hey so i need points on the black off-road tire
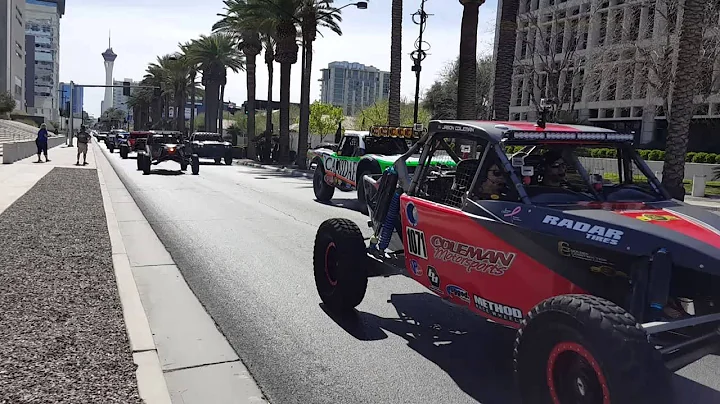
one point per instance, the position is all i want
(111, 149)
(139, 160)
(599, 336)
(228, 158)
(360, 185)
(218, 160)
(195, 164)
(340, 264)
(124, 151)
(323, 191)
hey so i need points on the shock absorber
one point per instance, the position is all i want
(389, 222)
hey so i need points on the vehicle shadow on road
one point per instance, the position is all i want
(165, 172)
(349, 204)
(476, 354)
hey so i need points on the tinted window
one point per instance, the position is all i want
(205, 137)
(385, 145)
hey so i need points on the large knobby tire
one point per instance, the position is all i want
(580, 348)
(360, 185)
(139, 160)
(124, 151)
(218, 160)
(340, 264)
(195, 164)
(111, 149)
(323, 191)
(228, 158)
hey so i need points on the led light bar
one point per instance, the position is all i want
(570, 136)
(393, 131)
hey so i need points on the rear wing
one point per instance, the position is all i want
(544, 136)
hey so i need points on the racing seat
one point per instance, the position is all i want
(464, 175)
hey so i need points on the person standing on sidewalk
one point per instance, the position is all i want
(42, 142)
(83, 139)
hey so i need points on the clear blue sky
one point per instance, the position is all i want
(141, 31)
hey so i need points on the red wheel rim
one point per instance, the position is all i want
(329, 250)
(570, 364)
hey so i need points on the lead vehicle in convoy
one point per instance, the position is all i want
(359, 153)
(610, 283)
(163, 146)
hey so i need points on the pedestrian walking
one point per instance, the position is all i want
(42, 143)
(83, 139)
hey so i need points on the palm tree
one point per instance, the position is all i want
(249, 42)
(186, 49)
(395, 63)
(214, 54)
(505, 58)
(467, 69)
(156, 76)
(683, 93)
(179, 84)
(280, 18)
(313, 14)
(269, 45)
(140, 101)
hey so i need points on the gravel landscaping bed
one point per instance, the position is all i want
(62, 335)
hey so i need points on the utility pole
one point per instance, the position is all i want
(419, 54)
(71, 121)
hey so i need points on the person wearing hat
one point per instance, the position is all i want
(83, 139)
(42, 143)
(554, 169)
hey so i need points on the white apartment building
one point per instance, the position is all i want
(353, 86)
(120, 100)
(43, 23)
(604, 70)
(12, 50)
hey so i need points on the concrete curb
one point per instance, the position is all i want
(150, 378)
(293, 172)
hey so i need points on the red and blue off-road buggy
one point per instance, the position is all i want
(611, 284)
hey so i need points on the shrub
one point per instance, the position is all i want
(717, 159)
(644, 154)
(689, 157)
(700, 157)
(654, 155)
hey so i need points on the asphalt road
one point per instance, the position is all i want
(243, 239)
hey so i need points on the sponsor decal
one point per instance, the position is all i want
(512, 215)
(345, 169)
(457, 291)
(472, 258)
(592, 232)
(415, 268)
(565, 250)
(412, 214)
(498, 310)
(416, 243)
(647, 217)
(434, 279)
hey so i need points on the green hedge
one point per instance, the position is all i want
(648, 155)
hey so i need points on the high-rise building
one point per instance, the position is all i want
(78, 99)
(43, 23)
(353, 86)
(12, 50)
(601, 58)
(120, 100)
(109, 57)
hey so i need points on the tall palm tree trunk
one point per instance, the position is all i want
(395, 63)
(180, 107)
(250, 59)
(221, 111)
(192, 102)
(683, 92)
(212, 91)
(467, 67)
(504, 59)
(269, 110)
(304, 133)
(285, 70)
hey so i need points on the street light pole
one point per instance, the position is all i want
(72, 118)
(418, 55)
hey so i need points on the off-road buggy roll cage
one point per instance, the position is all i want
(680, 342)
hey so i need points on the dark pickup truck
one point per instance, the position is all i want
(211, 145)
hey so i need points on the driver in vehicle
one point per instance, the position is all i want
(554, 169)
(492, 184)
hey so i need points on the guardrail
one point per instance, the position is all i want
(14, 151)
